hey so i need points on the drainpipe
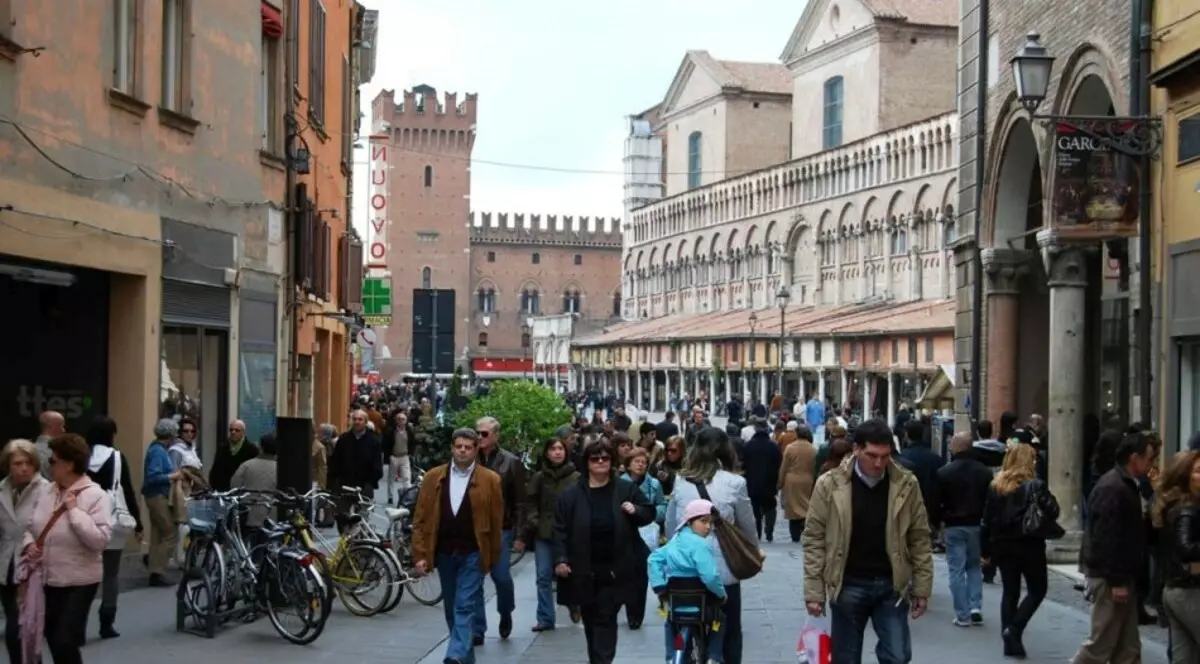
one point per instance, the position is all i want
(290, 207)
(981, 103)
(1139, 98)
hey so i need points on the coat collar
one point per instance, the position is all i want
(6, 493)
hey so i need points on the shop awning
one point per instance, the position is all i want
(939, 390)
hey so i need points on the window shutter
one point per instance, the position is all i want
(354, 276)
(343, 261)
(327, 262)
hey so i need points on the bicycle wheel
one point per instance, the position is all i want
(205, 559)
(427, 588)
(289, 583)
(364, 579)
(397, 573)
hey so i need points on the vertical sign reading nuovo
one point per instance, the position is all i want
(381, 176)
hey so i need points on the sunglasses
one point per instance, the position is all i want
(484, 434)
(600, 458)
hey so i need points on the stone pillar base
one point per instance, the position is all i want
(1065, 551)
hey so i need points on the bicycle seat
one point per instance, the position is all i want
(344, 520)
(396, 513)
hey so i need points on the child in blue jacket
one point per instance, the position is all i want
(687, 556)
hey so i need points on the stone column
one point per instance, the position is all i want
(696, 385)
(653, 391)
(1067, 269)
(762, 388)
(866, 396)
(821, 387)
(891, 398)
(625, 393)
(1003, 269)
(844, 395)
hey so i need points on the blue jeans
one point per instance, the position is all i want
(966, 575)
(874, 600)
(544, 559)
(501, 576)
(716, 641)
(461, 579)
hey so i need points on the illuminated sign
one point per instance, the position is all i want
(381, 178)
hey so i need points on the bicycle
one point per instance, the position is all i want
(266, 577)
(691, 617)
(425, 588)
(360, 562)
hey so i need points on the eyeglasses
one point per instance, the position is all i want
(600, 458)
(483, 434)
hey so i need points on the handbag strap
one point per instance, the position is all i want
(702, 490)
(58, 513)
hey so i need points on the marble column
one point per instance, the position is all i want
(1066, 266)
(762, 388)
(866, 396)
(653, 391)
(1003, 269)
(821, 386)
(625, 393)
(695, 385)
(844, 395)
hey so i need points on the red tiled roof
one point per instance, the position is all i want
(771, 77)
(844, 320)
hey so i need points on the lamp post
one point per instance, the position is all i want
(753, 354)
(552, 363)
(782, 298)
(525, 331)
(1138, 137)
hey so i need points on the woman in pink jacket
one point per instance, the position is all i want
(64, 544)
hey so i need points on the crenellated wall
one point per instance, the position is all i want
(551, 229)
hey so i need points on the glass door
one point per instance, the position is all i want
(194, 382)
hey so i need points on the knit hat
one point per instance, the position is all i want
(694, 510)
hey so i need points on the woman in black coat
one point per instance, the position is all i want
(597, 547)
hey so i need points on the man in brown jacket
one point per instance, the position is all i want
(457, 530)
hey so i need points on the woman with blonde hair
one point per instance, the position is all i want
(1007, 541)
(18, 495)
(1177, 512)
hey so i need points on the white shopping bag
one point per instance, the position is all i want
(649, 535)
(814, 646)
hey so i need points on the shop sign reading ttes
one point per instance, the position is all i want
(1095, 187)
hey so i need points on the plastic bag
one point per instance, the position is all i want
(814, 646)
(649, 535)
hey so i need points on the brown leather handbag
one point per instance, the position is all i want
(744, 559)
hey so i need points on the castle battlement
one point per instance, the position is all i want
(551, 229)
(421, 108)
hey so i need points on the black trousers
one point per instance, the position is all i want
(1017, 560)
(733, 624)
(67, 608)
(12, 621)
(600, 622)
(796, 529)
(764, 515)
(635, 595)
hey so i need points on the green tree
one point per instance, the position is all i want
(528, 414)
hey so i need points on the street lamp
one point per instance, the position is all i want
(1032, 68)
(525, 331)
(753, 358)
(782, 298)
(552, 363)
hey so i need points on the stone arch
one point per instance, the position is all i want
(641, 255)
(530, 284)
(1015, 161)
(698, 248)
(751, 238)
(714, 246)
(653, 262)
(896, 206)
(731, 244)
(949, 194)
(667, 254)
(1086, 61)
(681, 252)
(922, 202)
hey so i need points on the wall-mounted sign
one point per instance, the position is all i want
(377, 301)
(381, 178)
(367, 337)
(1095, 187)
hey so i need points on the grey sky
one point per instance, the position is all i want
(555, 81)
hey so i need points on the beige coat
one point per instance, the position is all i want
(827, 534)
(796, 477)
(14, 521)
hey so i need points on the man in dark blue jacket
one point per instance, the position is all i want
(924, 463)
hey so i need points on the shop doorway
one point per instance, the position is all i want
(195, 378)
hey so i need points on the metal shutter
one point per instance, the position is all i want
(186, 303)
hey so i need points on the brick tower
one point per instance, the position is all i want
(429, 235)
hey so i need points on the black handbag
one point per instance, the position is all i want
(1035, 522)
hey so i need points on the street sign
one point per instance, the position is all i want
(377, 301)
(367, 337)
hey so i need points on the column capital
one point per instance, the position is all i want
(1004, 269)
(1066, 263)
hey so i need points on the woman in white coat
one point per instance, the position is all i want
(708, 459)
(18, 495)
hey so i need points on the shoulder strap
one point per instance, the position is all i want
(703, 490)
(58, 514)
(116, 470)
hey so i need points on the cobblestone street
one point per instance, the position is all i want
(414, 634)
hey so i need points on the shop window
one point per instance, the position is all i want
(195, 368)
(1189, 391)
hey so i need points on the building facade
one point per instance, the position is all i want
(1177, 99)
(464, 286)
(527, 266)
(846, 220)
(1039, 281)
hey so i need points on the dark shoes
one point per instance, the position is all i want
(542, 627)
(451, 660)
(1012, 644)
(477, 640)
(107, 618)
(635, 625)
(505, 626)
(576, 616)
(977, 618)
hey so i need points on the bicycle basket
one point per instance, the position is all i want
(204, 514)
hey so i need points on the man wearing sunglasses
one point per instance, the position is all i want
(512, 483)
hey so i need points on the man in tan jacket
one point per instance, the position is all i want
(457, 529)
(867, 550)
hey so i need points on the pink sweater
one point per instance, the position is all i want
(74, 545)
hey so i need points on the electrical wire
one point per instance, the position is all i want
(149, 173)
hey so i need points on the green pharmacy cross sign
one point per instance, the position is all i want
(377, 301)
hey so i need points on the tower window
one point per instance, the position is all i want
(429, 176)
(491, 257)
(487, 301)
(483, 340)
(571, 302)
(537, 258)
(426, 278)
(579, 259)
(695, 141)
(531, 301)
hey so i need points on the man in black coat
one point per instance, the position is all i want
(924, 463)
(761, 460)
(962, 492)
(1114, 551)
(357, 459)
